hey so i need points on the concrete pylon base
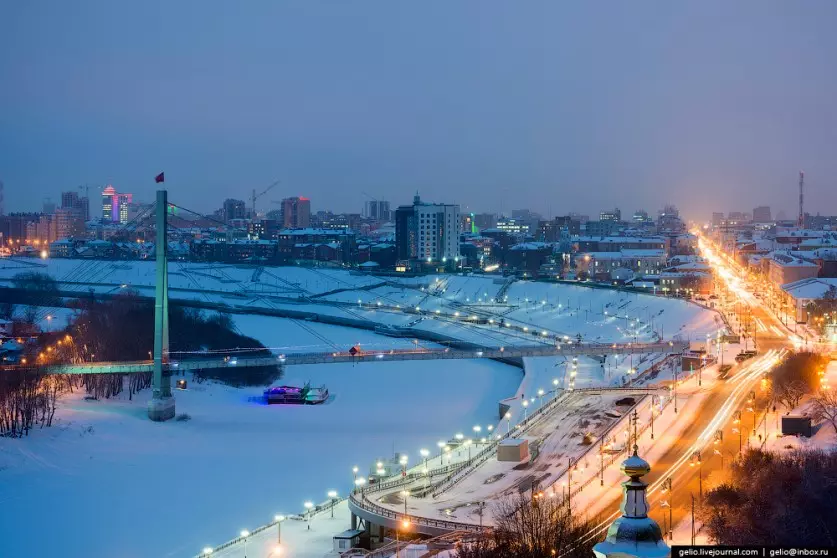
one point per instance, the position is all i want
(160, 410)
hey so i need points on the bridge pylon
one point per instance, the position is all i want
(161, 406)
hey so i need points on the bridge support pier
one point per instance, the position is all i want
(161, 407)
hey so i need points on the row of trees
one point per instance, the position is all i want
(28, 401)
(773, 499)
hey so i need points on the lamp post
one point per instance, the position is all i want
(279, 519)
(405, 493)
(468, 443)
(245, 533)
(674, 387)
(737, 421)
(308, 506)
(354, 473)
(570, 465)
(601, 456)
(425, 453)
(477, 429)
(540, 394)
(525, 409)
(696, 459)
(332, 494)
(667, 487)
(719, 439)
(207, 550)
(555, 383)
(654, 399)
(508, 422)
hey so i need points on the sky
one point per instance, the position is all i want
(553, 106)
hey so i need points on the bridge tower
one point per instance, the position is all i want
(161, 406)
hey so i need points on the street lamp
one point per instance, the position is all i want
(332, 494)
(667, 487)
(525, 409)
(540, 394)
(354, 472)
(308, 506)
(279, 519)
(508, 422)
(245, 533)
(405, 493)
(468, 443)
(477, 429)
(207, 551)
(696, 459)
(737, 422)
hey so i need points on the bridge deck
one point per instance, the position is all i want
(567, 349)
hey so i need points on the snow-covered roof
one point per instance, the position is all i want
(639, 253)
(530, 246)
(623, 239)
(811, 288)
(786, 260)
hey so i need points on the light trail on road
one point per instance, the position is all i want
(745, 378)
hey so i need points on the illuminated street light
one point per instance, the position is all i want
(332, 494)
(308, 506)
(245, 533)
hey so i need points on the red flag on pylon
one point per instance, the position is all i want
(160, 178)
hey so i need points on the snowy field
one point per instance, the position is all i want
(125, 486)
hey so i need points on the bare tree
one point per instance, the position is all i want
(533, 527)
(790, 393)
(825, 407)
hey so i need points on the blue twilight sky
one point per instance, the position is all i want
(496, 105)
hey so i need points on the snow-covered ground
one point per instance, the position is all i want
(125, 486)
(128, 487)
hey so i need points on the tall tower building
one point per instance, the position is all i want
(296, 213)
(108, 195)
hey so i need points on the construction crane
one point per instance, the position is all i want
(255, 196)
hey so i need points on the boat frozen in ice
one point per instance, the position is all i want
(292, 395)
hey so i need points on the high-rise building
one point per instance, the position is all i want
(761, 214)
(69, 222)
(427, 231)
(233, 209)
(296, 213)
(641, 217)
(377, 210)
(107, 204)
(717, 218)
(73, 200)
(485, 221)
(48, 206)
(611, 215)
(123, 203)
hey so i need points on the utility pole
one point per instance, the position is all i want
(693, 519)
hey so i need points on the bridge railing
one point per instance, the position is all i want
(362, 502)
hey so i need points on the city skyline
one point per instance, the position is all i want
(691, 104)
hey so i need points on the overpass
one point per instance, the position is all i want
(228, 361)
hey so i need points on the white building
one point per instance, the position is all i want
(427, 231)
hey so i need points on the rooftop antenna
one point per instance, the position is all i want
(801, 221)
